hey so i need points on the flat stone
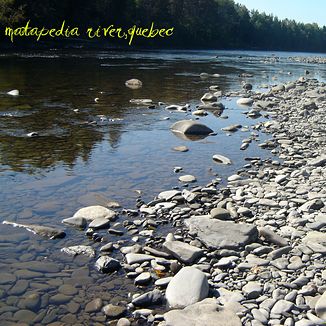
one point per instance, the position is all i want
(24, 315)
(319, 161)
(187, 178)
(245, 101)
(180, 294)
(19, 288)
(60, 299)
(315, 239)
(79, 222)
(79, 250)
(67, 289)
(221, 234)
(183, 251)
(90, 213)
(133, 258)
(163, 282)
(31, 301)
(220, 213)
(206, 312)
(123, 322)
(168, 195)
(272, 237)
(99, 223)
(282, 307)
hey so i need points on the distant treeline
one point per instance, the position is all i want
(220, 24)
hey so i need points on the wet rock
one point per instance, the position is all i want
(24, 315)
(91, 213)
(60, 299)
(79, 222)
(190, 127)
(134, 83)
(19, 287)
(32, 301)
(79, 250)
(67, 289)
(169, 194)
(220, 159)
(14, 92)
(143, 278)
(148, 299)
(94, 305)
(106, 264)
(113, 311)
(180, 294)
(232, 128)
(44, 231)
(209, 97)
(206, 312)
(183, 251)
(222, 234)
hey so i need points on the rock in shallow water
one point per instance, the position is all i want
(91, 213)
(188, 286)
(107, 264)
(148, 298)
(79, 250)
(190, 127)
(44, 231)
(206, 312)
(221, 234)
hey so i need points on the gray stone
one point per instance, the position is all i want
(168, 195)
(44, 231)
(143, 278)
(221, 234)
(79, 222)
(99, 223)
(25, 316)
(7, 278)
(183, 251)
(282, 307)
(181, 148)
(321, 307)
(252, 290)
(188, 286)
(79, 250)
(148, 298)
(190, 127)
(123, 322)
(187, 178)
(220, 213)
(59, 299)
(133, 258)
(271, 236)
(107, 264)
(206, 312)
(91, 213)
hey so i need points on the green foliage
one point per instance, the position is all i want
(198, 23)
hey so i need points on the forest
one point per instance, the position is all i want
(209, 24)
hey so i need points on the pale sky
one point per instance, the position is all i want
(306, 11)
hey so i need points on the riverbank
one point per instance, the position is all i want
(259, 243)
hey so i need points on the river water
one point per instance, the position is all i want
(73, 163)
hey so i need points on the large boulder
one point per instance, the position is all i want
(206, 312)
(221, 234)
(91, 213)
(190, 127)
(188, 286)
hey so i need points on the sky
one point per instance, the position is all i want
(306, 11)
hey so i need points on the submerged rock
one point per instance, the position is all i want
(79, 222)
(44, 231)
(188, 286)
(107, 264)
(79, 250)
(134, 83)
(148, 299)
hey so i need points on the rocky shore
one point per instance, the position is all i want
(251, 252)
